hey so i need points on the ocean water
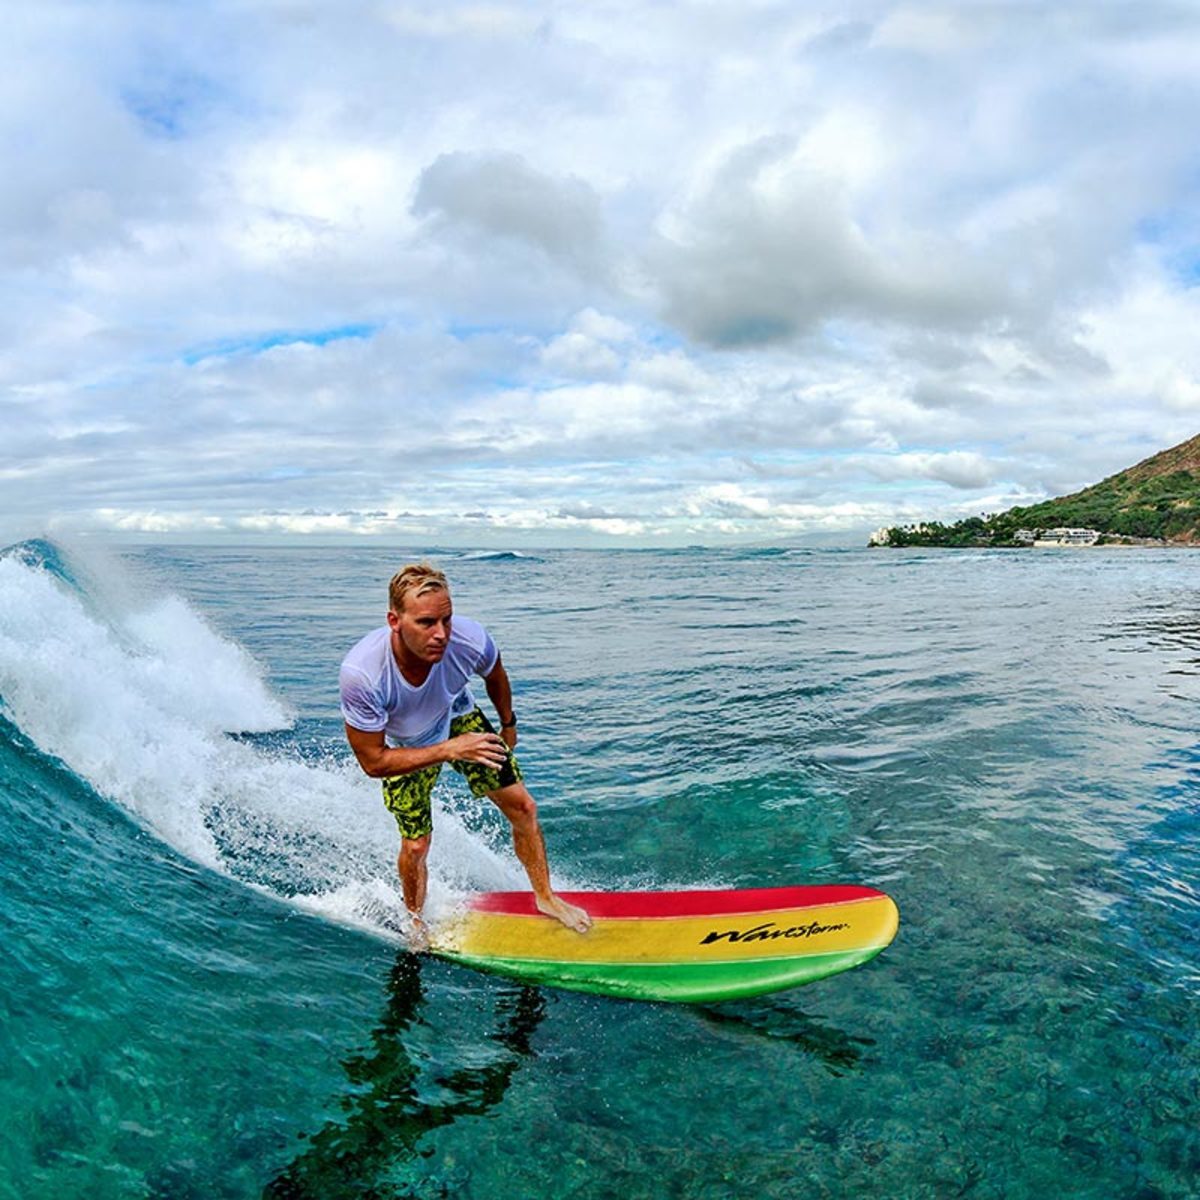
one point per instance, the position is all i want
(201, 996)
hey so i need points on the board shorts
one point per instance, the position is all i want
(409, 797)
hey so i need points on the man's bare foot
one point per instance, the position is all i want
(572, 917)
(418, 934)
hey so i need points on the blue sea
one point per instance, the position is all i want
(202, 997)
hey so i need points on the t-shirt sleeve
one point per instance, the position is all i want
(488, 654)
(360, 705)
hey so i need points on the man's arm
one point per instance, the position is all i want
(499, 691)
(380, 760)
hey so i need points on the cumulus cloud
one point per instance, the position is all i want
(959, 468)
(503, 196)
(592, 347)
(771, 250)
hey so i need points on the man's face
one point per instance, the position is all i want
(424, 625)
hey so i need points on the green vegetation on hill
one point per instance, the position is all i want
(1158, 498)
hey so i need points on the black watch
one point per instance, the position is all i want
(511, 723)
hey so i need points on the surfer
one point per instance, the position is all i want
(408, 709)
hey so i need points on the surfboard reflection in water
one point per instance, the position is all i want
(839, 1052)
(397, 1095)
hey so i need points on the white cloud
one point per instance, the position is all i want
(959, 468)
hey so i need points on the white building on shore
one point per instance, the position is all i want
(1065, 536)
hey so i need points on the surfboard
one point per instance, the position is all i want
(689, 946)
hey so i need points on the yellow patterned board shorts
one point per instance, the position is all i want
(408, 797)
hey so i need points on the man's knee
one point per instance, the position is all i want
(515, 803)
(414, 849)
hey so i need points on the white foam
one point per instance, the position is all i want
(140, 703)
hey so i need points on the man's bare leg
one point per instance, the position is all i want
(414, 882)
(519, 807)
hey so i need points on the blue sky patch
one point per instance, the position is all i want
(257, 343)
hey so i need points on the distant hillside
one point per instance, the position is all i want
(1156, 500)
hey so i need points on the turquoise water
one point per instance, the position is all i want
(200, 999)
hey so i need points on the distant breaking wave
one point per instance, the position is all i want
(498, 556)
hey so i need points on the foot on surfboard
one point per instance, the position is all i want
(418, 934)
(571, 916)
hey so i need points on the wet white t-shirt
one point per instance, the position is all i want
(375, 695)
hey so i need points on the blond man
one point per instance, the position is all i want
(408, 709)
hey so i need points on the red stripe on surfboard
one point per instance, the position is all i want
(680, 904)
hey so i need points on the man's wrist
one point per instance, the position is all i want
(510, 723)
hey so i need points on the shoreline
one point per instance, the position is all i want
(1126, 545)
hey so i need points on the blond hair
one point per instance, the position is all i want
(414, 580)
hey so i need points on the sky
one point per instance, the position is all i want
(612, 273)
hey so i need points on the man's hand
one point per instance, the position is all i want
(485, 748)
(509, 734)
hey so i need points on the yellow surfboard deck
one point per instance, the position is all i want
(691, 946)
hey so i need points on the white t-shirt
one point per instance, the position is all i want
(375, 695)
